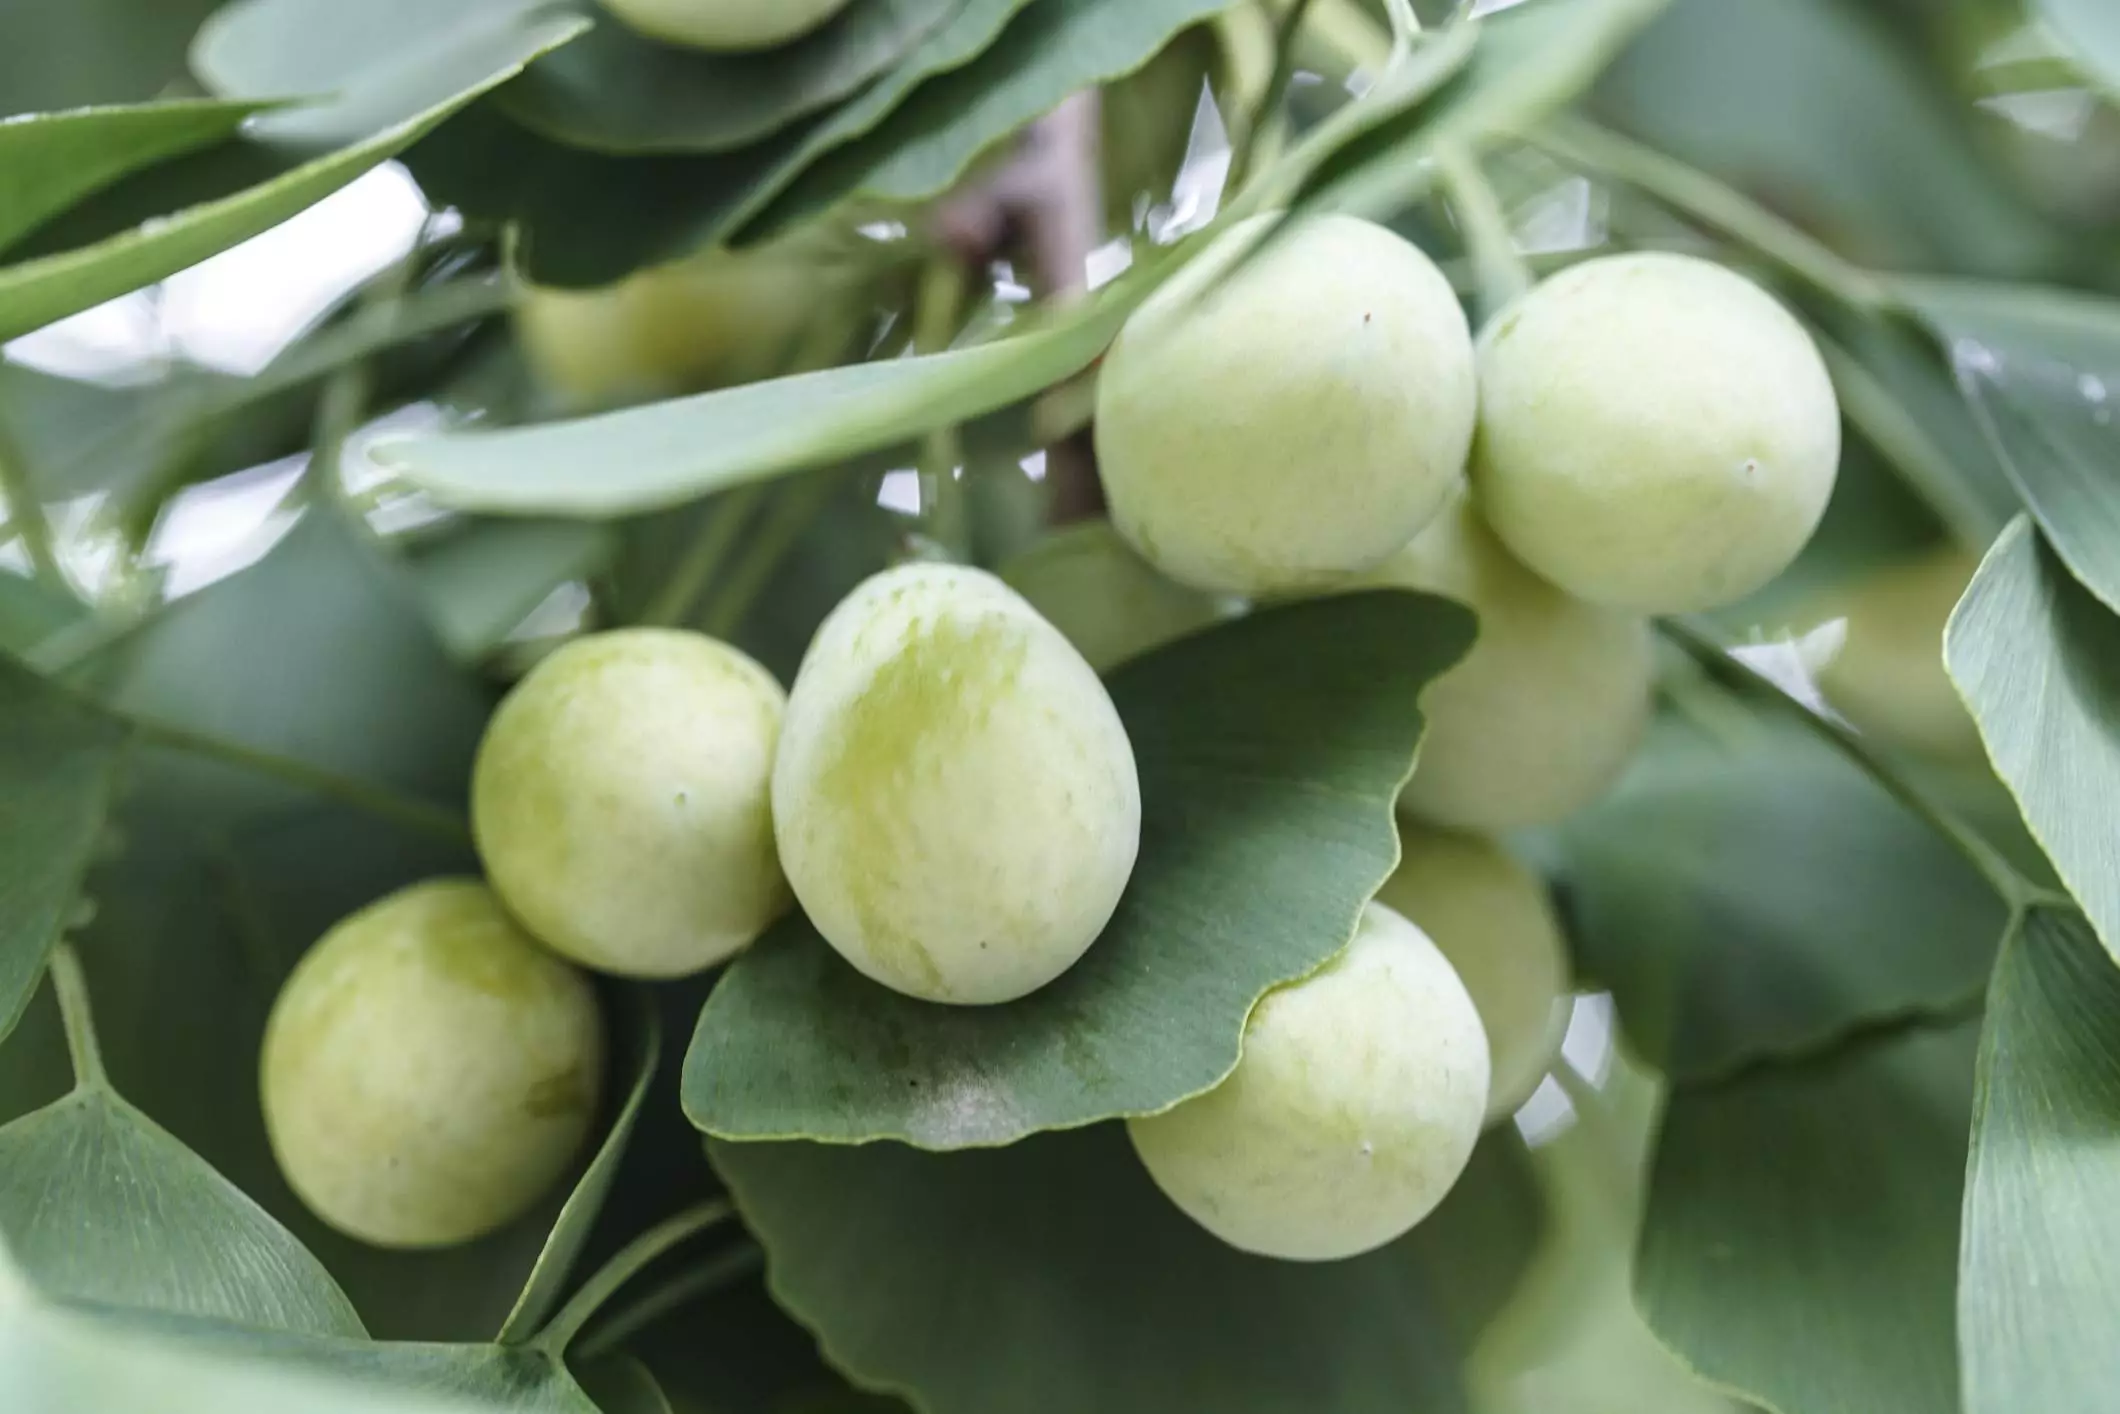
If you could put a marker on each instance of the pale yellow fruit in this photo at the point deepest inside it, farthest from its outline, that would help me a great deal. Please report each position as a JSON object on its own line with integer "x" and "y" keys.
{"x": 1360, "y": 1095}
{"x": 622, "y": 801}
{"x": 725, "y": 24}
{"x": 429, "y": 1071}
{"x": 1888, "y": 678}
{"x": 1656, "y": 433}
{"x": 1542, "y": 715}
{"x": 1112, "y": 605}
{"x": 955, "y": 795}
{"x": 1492, "y": 918}
{"x": 710, "y": 321}
{"x": 1297, "y": 422}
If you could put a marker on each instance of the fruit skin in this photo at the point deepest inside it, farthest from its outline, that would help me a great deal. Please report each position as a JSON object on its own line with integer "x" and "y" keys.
{"x": 1300, "y": 421}
{"x": 1360, "y": 1095}
{"x": 955, "y": 795}
{"x": 1656, "y": 433}
{"x": 1540, "y": 718}
{"x": 725, "y": 24}
{"x": 621, "y": 801}
{"x": 1492, "y": 919}
{"x": 1110, "y": 603}
{"x": 429, "y": 1071}
{"x": 1888, "y": 678}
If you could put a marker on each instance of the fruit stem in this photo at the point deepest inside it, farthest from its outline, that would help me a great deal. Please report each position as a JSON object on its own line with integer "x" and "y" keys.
{"x": 716, "y": 1272}
{"x": 937, "y": 313}
{"x": 794, "y": 508}
{"x": 25, "y": 513}
{"x": 377, "y": 800}
{"x": 1499, "y": 268}
{"x": 82, "y": 1048}
{"x": 629, "y": 1262}
{"x": 672, "y": 603}
{"x": 2014, "y": 888}
{"x": 1604, "y": 153}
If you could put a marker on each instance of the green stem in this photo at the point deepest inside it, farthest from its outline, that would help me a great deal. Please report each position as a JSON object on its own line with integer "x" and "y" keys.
{"x": 1906, "y": 444}
{"x": 672, "y": 603}
{"x": 379, "y": 801}
{"x": 937, "y": 314}
{"x": 1501, "y": 271}
{"x": 721, "y": 1270}
{"x": 1587, "y": 147}
{"x": 629, "y": 1262}
{"x": 82, "y": 1047}
{"x": 2014, "y": 888}
{"x": 791, "y": 513}
{"x": 1339, "y": 39}
{"x": 25, "y": 513}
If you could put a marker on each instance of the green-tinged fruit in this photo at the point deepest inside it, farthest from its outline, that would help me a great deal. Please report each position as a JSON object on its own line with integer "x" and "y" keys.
{"x": 1888, "y": 678}
{"x": 621, "y": 801}
{"x": 429, "y": 1071}
{"x": 955, "y": 795}
{"x": 725, "y": 24}
{"x": 1543, "y": 714}
{"x": 1656, "y": 433}
{"x": 1111, "y": 603}
{"x": 1297, "y": 421}
{"x": 1360, "y": 1095}
{"x": 1492, "y": 918}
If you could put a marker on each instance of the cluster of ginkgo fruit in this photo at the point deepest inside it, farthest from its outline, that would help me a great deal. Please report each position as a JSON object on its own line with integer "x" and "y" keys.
{"x": 949, "y": 794}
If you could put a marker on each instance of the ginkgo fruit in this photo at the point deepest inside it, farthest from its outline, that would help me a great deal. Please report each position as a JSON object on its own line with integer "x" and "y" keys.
{"x": 1544, "y": 711}
{"x": 1360, "y": 1095}
{"x": 1492, "y": 918}
{"x": 1656, "y": 433}
{"x": 429, "y": 1071}
{"x": 621, "y": 801}
{"x": 1112, "y": 605}
{"x": 955, "y": 796}
{"x": 1266, "y": 428}
{"x": 725, "y": 24}
{"x": 1888, "y": 677}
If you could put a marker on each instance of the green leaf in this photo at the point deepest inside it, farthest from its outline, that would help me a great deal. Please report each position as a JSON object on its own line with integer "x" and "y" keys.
{"x": 1820, "y": 110}
{"x": 48, "y": 161}
{"x": 2038, "y": 1280}
{"x": 2041, "y": 369}
{"x": 36, "y": 292}
{"x": 59, "y": 764}
{"x": 570, "y": 1233}
{"x": 481, "y": 583}
{"x": 1761, "y": 902}
{"x": 1052, "y": 49}
{"x": 620, "y": 1384}
{"x": 2038, "y": 662}
{"x": 1270, "y": 752}
{"x": 1051, "y": 1277}
{"x": 116, "y": 51}
{"x": 100, "y": 1204}
{"x": 373, "y": 66}
{"x": 1801, "y": 1240}
{"x": 619, "y": 91}
{"x": 32, "y": 611}
{"x": 2092, "y": 30}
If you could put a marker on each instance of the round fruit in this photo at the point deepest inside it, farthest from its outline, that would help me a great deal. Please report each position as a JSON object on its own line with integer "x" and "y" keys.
{"x": 1299, "y": 421}
{"x": 725, "y": 24}
{"x": 1544, "y": 712}
{"x": 1111, "y": 603}
{"x": 621, "y": 801}
{"x": 429, "y": 1070}
{"x": 710, "y": 321}
{"x": 1361, "y": 1093}
{"x": 955, "y": 796}
{"x": 1888, "y": 677}
{"x": 1656, "y": 433}
{"x": 1491, "y": 917}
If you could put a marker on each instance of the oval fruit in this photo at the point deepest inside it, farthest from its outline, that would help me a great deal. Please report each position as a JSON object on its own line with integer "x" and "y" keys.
{"x": 1888, "y": 677}
{"x": 621, "y": 801}
{"x": 1656, "y": 433}
{"x": 1360, "y": 1095}
{"x": 1299, "y": 421}
{"x": 1492, "y": 919}
{"x": 725, "y": 24}
{"x": 429, "y": 1071}
{"x": 955, "y": 796}
{"x": 1542, "y": 715}
{"x": 1112, "y": 605}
